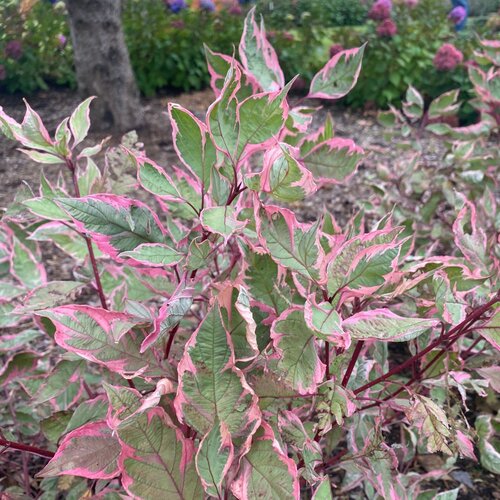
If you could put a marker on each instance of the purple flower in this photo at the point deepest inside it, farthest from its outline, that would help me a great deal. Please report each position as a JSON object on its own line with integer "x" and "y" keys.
{"x": 62, "y": 40}
{"x": 3, "y": 73}
{"x": 387, "y": 28}
{"x": 207, "y": 5}
{"x": 335, "y": 49}
{"x": 457, "y": 15}
{"x": 14, "y": 49}
{"x": 380, "y": 10}
{"x": 176, "y": 6}
{"x": 235, "y": 10}
{"x": 447, "y": 58}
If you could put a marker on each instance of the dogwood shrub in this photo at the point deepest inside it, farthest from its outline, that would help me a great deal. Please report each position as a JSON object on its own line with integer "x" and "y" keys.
{"x": 209, "y": 343}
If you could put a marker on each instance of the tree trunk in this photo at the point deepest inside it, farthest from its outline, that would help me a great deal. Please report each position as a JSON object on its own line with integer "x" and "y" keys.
{"x": 103, "y": 65}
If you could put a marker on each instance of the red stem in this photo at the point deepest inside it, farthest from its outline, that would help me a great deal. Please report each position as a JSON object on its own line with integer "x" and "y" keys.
{"x": 327, "y": 359}
{"x": 27, "y": 448}
{"x": 460, "y": 328}
{"x": 352, "y": 362}
{"x": 100, "y": 291}
{"x": 170, "y": 341}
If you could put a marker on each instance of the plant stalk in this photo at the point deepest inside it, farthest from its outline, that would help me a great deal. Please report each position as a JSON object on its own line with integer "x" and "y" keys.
{"x": 26, "y": 448}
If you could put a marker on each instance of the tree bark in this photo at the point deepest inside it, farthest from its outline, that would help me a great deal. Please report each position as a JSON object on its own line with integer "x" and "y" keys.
{"x": 102, "y": 63}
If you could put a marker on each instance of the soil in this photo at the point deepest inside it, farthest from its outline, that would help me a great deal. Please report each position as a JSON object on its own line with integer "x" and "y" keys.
{"x": 341, "y": 201}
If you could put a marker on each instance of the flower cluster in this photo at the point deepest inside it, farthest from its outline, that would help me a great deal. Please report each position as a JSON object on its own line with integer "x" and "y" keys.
{"x": 387, "y": 28}
{"x": 380, "y": 10}
{"x": 447, "y": 58}
{"x": 335, "y": 49}
{"x": 14, "y": 50}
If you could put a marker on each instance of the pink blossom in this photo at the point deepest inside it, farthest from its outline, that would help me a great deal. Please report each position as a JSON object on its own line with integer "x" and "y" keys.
{"x": 288, "y": 36}
{"x": 235, "y": 10}
{"x": 14, "y": 49}
{"x": 61, "y": 40}
{"x": 411, "y": 3}
{"x": 380, "y": 10}
{"x": 387, "y": 28}
{"x": 335, "y": 49}
{"x": 447, "y": 58}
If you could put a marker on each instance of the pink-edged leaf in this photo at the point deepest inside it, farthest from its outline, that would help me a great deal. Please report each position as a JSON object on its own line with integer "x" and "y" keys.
{"x": 218, "y": 67}
{"x": 298, "y": 361}
{"x": 465, "y": 445}
{"x": 211, "y": 387}
{"x": 472, "y": 243}
{"x": 335, "y": 403}
{"x": 192, "y": 143}
{"x": 492, "y": 375}
{"x": 157, "y": 460}
{"x": 25, "y": 266}
{"x": 64, "y": 238}
{"x": 258, "y": 56}
{"x": 491, "y": 330}
{"x": 178, "y": 187}
{"x": 323, "y": 491}
{"x": 266, "y": 471}
{"x": 221, "y": 220}
{"x": 383, "y": 324}
{"x": 102, "y": 336}
{"x": 90, "y": 451}
{"x": 171, "y": 313}
{"x": 116, "y": 223}
{"x": 339, "y": 75}
{"x": 450, "y": 307}
{"x": 214, "y": 458}
{"x": 325, "y": 321}
{"x": 334, "y": 160}
{"x": 284, "y": 176}
{"x": 154, "y": 255}
{"x": 79, "y": 122}
{"x": 238, "y": 320}
{"x": 291, "y": 244}
{"x": 31, "y": 133}
{"x": 18, "y": 365}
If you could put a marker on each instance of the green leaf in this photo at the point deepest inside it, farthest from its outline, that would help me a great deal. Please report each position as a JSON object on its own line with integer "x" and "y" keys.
{"x": 154, "y": 254}
{"x": 221, "y": 220}
{"x": 338, "y": 76}
{"x": 210, "y": 387}
{"x": 488, "y": 444}
{"x": 382, "y": 324}
{"x": 54, "y": 293}
{"x": 291, "y": 244}
{"x": 192, "y": 143}
{"x": 46, "y": 208}
{"x": 116, "y": 223}
{"x": 299, "y": 362}
{"x": 79, "y": 121}
{"x": 266, "y": 472}
{"x": 158, "y": 459}
{"x": 25, "y": 266}
{"x": 214, "y": 457}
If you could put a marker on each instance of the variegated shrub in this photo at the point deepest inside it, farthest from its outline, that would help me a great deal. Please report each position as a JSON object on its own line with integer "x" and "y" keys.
{"x": 218, "y": 346}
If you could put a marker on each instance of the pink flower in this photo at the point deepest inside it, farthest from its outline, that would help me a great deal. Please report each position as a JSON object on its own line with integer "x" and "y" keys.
{"x": 61, "y": 39}
{"x": 380, "y": 10}
{"x": 335, "y": 49}
{"x": 447, "y": 58}
{"x": 387, "y": 28}
{"x": 288, "y": 36}
{"x": 235, "y": 10}
{"x": 177, "y": 24}
{"x": 411, "y": 3}
{"x": 14, "y": 49}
